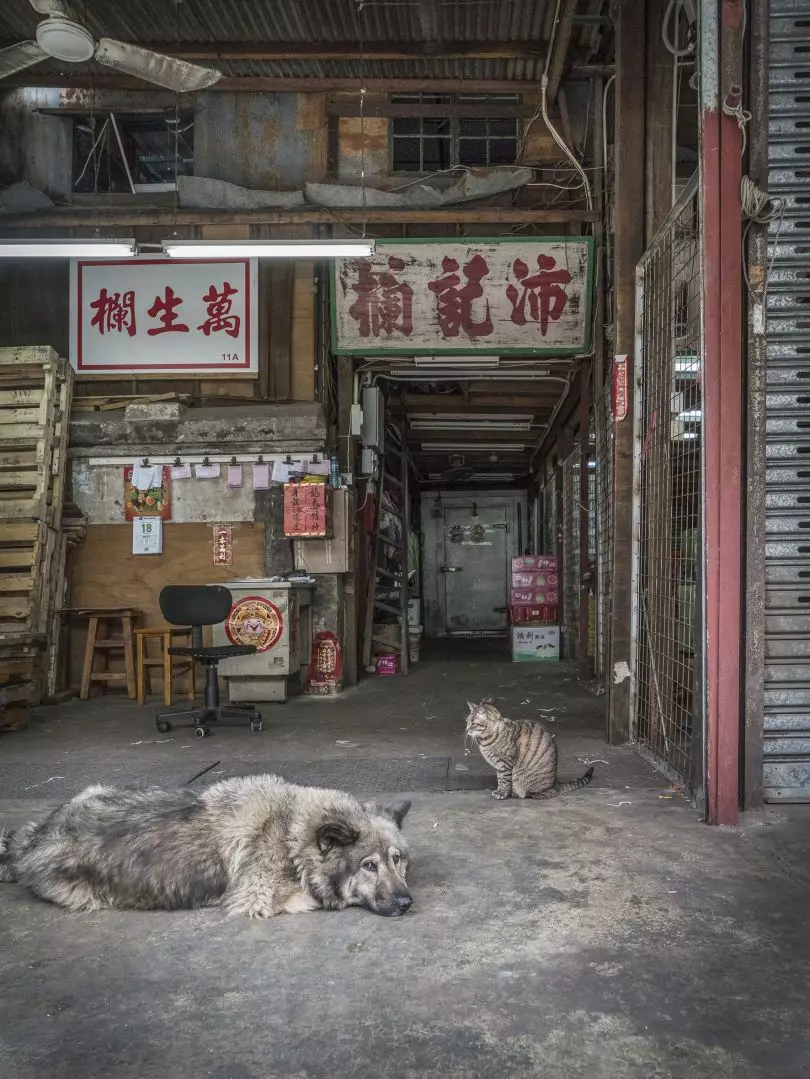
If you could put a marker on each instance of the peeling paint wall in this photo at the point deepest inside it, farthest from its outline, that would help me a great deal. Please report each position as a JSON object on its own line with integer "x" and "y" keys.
{"x": 35, "y": 147}
{"x": 261, "y": 140}
{"x": 98, "y": 491}
{"x": 362, "y": 145}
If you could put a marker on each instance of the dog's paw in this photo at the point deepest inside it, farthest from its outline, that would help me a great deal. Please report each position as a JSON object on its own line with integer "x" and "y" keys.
{"x": 500, "y": 795}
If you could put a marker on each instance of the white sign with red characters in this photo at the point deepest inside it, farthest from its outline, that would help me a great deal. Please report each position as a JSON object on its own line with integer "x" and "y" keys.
{"x": 164, "y": 316}
{"x": 500, "y": 296}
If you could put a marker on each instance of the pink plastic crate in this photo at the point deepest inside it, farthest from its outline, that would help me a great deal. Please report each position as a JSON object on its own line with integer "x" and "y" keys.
{"x": 534, "y": 562}
{"x": 534, "y": 595}
{"x": 534, "y": 579}
{"x": 521, "y": 613}
{"x": 387, "y": 665}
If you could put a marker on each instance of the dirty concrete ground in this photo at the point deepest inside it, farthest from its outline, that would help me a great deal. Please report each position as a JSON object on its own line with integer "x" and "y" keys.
{"x": 606, "y": 934}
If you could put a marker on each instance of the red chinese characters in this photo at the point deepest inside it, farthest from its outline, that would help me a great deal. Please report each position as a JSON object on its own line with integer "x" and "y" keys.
{"x": 114, "y": 312}
{"x": 218, "y": 308}
{"x": 542, "y": 293}
{"x": 455, "y": 302}
{"x": 383, "y": 305}
{"x": 165, "y": 311}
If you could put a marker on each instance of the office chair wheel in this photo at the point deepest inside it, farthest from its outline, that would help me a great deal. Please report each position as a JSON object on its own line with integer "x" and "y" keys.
{"x": 163, "y": 726}
{"x": 256, "y": 725}
{"x": 201, "y": 732}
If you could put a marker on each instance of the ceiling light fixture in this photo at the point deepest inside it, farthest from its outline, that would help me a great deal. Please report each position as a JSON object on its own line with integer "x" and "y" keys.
{"x": 267, "y": 249}
{"x": 467, "y": 417}
{"x": 469, "y": 425}
{"x": 456, "y": 361}
{"x": 473, "y": 447}
{"x": 68, "y": 249}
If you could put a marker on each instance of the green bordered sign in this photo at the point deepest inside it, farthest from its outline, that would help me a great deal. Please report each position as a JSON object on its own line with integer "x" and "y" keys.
{"x": 492, "y": 296}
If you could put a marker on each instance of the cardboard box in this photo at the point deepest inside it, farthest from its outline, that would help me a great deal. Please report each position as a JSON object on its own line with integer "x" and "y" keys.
{"x": 534, "y": 562}
{"x": 532, "y": 644}
{"x": 335, "y": 555}
{"x": 521, "y": 613}
{"x": 308, "y": 510}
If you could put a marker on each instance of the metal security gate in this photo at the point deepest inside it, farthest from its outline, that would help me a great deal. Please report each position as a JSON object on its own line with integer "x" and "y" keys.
{"x": 786, "y": 748}
{"x": 603, "y": 522}
{"x": 571, "y": 575}
{"x": 667, "y": 698}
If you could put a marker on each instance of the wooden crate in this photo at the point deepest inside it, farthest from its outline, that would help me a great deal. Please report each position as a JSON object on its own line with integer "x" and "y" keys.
{"x": 36, "y": 389}
{"x": 26, "y": 561}
{"x": 20, "y": 678}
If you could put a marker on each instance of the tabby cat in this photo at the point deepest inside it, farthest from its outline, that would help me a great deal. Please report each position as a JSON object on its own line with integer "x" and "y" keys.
{"x": 522, "y": 752}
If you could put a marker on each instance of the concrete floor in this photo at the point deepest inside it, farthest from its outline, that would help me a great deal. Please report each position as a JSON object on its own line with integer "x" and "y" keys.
{"x": 603, "y": 934}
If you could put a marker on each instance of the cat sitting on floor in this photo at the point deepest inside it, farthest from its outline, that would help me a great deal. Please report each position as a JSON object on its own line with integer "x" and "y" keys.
{"x": 522, "y": 752}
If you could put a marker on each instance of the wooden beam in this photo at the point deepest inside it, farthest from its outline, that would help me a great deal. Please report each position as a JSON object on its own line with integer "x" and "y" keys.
{"x": 70, "y": 218}
{"x": 658, "y": 120}
{"x": 351, "y": 51}
{"x": 628, "y": 219}
{"x": 292, "y": 84}
{"x": 559, "y": 49}
{"x": 344, "y": 106}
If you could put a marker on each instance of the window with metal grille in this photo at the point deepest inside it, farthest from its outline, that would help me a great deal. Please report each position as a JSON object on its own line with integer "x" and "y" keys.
{"x": 132, "y": 152}
{"x": 446, "y": 130}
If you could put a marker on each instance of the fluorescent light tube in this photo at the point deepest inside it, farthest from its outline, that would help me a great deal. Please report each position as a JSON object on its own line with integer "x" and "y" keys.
{"x": 267, "y": 249}
{"x": 468, "y": 417}
{"x": 68, "y": 249}
{"x": 473, "y": 447}
{"x": 461, "y": 425}
{"x": 456, "y": 361}
{"x": 691, "y": 414}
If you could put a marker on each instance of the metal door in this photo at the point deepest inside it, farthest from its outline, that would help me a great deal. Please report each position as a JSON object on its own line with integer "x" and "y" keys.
{"x": 786, "y": 749}
{"x": 475, "y": 570}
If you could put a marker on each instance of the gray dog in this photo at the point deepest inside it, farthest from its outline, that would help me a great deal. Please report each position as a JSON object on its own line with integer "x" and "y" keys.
{"x": 257, "y": 844}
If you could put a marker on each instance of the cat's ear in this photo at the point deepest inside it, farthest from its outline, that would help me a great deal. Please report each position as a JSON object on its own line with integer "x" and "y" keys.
{"x": 471, "y": 706}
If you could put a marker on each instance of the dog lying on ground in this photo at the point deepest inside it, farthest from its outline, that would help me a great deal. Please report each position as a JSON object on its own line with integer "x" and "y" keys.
{"x": 256, "y": 844}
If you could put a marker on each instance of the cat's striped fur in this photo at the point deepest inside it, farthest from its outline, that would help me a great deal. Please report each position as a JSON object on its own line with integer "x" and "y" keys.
{"x": 522, "y": 752}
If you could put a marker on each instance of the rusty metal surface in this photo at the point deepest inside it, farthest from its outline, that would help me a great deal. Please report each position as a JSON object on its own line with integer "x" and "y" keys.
{"x": 786, "y": 771}
{"x": 296, "y": 20}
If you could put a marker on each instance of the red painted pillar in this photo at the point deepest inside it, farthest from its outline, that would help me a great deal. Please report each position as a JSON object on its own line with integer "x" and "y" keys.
{"x": 721, "y": 165}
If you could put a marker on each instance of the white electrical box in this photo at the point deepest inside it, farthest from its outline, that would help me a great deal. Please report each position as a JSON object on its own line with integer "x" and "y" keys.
{"x": 356, "y": 420}
{"x": 368, "y": 459}
{"x": 372, "y": 431}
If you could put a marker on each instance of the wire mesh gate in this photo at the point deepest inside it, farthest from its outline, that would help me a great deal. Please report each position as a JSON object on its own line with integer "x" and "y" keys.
{"x": 571, "y": 570}
{"x": 602, "y": 520}
{"x": 667, "y": 695}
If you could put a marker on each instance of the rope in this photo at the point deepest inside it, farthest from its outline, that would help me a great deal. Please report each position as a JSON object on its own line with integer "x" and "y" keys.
{"x": 732, "y": 106}
{"x": 759, "y": 208}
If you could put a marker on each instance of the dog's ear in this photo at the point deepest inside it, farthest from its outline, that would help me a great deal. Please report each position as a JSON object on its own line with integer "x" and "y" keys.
{"x": 397, "y": 813}
{"x": 335, "y": 833}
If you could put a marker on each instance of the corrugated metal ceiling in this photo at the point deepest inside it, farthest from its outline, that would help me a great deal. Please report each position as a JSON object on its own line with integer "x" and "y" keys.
{"x": 273, "y": 21}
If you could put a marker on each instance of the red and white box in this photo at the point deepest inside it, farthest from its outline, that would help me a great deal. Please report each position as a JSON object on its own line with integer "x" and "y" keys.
{"x": 521, "y": 614}
{"x": 308, "y": 510}
{"x": 534, "y": 562}
{"x": 534, "y": 595}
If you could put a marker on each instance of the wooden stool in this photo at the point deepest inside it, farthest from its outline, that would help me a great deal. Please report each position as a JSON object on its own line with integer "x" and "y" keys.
{"x": 172, "y": 665}
{"x": 99, "y": 639}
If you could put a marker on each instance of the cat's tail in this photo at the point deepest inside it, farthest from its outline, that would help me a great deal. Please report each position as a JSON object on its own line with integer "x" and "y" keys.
{"x": 7, "y": 874}
{"x": 575, "y": 784}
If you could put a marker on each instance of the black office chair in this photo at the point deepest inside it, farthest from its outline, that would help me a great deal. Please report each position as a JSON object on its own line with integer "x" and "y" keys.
{"x": 199, "y": 605}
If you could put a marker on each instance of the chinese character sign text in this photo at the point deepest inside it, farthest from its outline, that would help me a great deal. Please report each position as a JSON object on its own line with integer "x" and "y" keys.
{"x": 162, "y": 315}
{"x": 488, "y": 296}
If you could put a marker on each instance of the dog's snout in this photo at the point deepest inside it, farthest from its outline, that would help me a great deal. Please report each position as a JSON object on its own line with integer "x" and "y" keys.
{"x": 403, "y": 903}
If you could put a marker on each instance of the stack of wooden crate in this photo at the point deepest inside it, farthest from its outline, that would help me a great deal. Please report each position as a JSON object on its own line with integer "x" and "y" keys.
{"x": 36, "y": 386}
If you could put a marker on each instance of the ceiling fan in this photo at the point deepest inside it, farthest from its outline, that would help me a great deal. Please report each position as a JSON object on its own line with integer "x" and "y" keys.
{"x": 61, "y": 37}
